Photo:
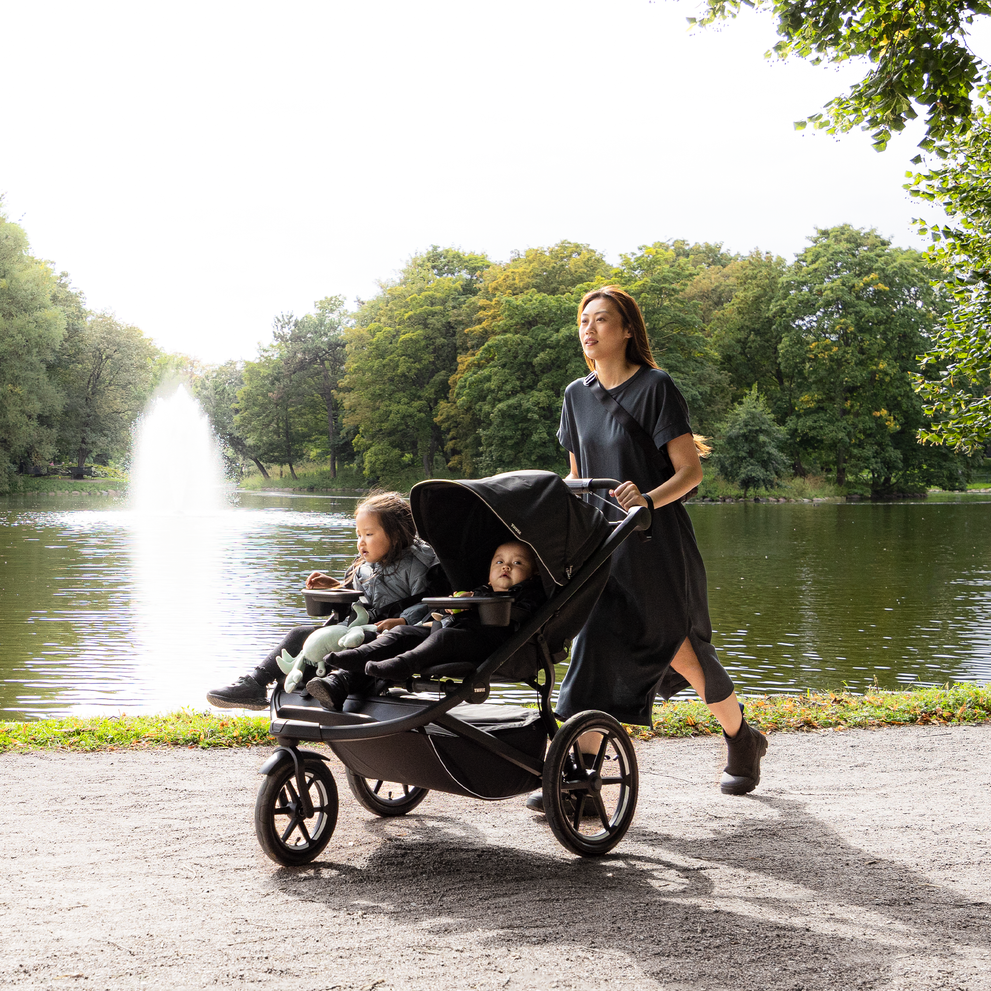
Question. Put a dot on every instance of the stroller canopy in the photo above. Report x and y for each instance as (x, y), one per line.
(466, 520)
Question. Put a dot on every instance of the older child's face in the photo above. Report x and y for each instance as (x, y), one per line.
(373, 544)
(512, 563)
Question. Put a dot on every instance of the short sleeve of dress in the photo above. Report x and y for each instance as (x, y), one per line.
(567, 432)
(672, 418)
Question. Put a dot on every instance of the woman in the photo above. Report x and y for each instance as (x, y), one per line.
(650, 631)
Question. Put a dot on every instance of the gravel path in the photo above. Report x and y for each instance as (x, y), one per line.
(861, 862)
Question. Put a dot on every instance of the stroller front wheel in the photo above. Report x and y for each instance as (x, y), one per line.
(285, 834)
(590, 795)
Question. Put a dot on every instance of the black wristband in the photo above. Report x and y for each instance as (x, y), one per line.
(650, 502)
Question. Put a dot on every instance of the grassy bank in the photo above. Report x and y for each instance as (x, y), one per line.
(60, 485)
(313, 478)
(962, 703)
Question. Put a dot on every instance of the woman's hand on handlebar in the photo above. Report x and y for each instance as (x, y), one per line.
(628, 496)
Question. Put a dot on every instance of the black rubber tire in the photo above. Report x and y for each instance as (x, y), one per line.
(385, 798)
(283, 833)
(590, 799)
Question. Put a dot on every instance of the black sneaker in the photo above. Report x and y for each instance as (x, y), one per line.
(331, 692)
(245, 693)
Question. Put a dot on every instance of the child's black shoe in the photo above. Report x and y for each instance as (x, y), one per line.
(332, 691)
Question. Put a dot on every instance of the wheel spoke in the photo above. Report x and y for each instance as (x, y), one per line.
(600, 809)
(623, 779)
(606, 740)
(293, 823)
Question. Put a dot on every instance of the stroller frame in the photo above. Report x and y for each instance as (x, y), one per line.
(399, 745)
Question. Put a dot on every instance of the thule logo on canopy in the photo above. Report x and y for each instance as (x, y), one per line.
(515, 529)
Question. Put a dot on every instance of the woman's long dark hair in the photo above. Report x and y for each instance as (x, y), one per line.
(637, 346)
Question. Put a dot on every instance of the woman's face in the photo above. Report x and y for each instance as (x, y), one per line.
(602, 331)
(373, 544)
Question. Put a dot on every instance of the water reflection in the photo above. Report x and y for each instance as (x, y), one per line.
(817, 596)
(103, 609)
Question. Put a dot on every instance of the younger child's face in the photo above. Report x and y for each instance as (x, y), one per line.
(373, 544)
(512, 563)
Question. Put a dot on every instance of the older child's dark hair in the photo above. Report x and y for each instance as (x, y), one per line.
(396, 519)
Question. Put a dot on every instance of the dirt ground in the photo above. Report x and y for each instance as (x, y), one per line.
(861, 862)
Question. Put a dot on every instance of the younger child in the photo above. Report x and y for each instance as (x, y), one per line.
(394, 568)
(405, 650)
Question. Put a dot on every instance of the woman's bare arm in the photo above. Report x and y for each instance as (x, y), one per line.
(687, 474)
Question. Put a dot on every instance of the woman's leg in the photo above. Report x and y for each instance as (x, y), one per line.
(745, 745)
(728, 710)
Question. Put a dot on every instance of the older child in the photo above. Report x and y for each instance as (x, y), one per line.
(394, 568)
(403, 651)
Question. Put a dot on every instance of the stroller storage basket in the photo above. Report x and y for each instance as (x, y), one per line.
(442, 760)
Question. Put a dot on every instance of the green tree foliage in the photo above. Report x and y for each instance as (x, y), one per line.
(955, 383)
(278, 410)
(662, 278)
(216, 391)
(32, 327)
(491, 396)
(915, 50)
(744, 334)
(402, 352)
(105, 370)
(750, 449)
(313, 350)
(918, 56)
(856, 314)
(514, 384)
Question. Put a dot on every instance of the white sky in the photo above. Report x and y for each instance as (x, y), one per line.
(200, 167)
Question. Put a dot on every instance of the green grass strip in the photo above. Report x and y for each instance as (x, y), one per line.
(177, 729)
(962, 703)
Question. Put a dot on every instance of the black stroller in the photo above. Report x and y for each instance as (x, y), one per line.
(436, 732)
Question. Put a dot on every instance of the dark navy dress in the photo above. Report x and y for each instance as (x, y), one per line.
(656, 593)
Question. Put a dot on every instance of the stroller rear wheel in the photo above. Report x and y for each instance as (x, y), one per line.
(283, 832)
(590, 790)
(385, 798)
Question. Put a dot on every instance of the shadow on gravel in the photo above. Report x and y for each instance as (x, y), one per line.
(783, 903)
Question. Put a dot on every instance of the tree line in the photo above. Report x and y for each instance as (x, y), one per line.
(459, 364)
(917, 61)
(72, 381)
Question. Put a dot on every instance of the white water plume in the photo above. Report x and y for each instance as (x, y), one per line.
(176, 464)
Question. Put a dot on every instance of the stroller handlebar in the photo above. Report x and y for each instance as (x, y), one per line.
(590, 484)
(643, 516)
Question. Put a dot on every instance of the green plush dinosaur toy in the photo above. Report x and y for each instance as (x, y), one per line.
(322, 642)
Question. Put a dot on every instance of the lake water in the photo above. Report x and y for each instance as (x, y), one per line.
(106, 610)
